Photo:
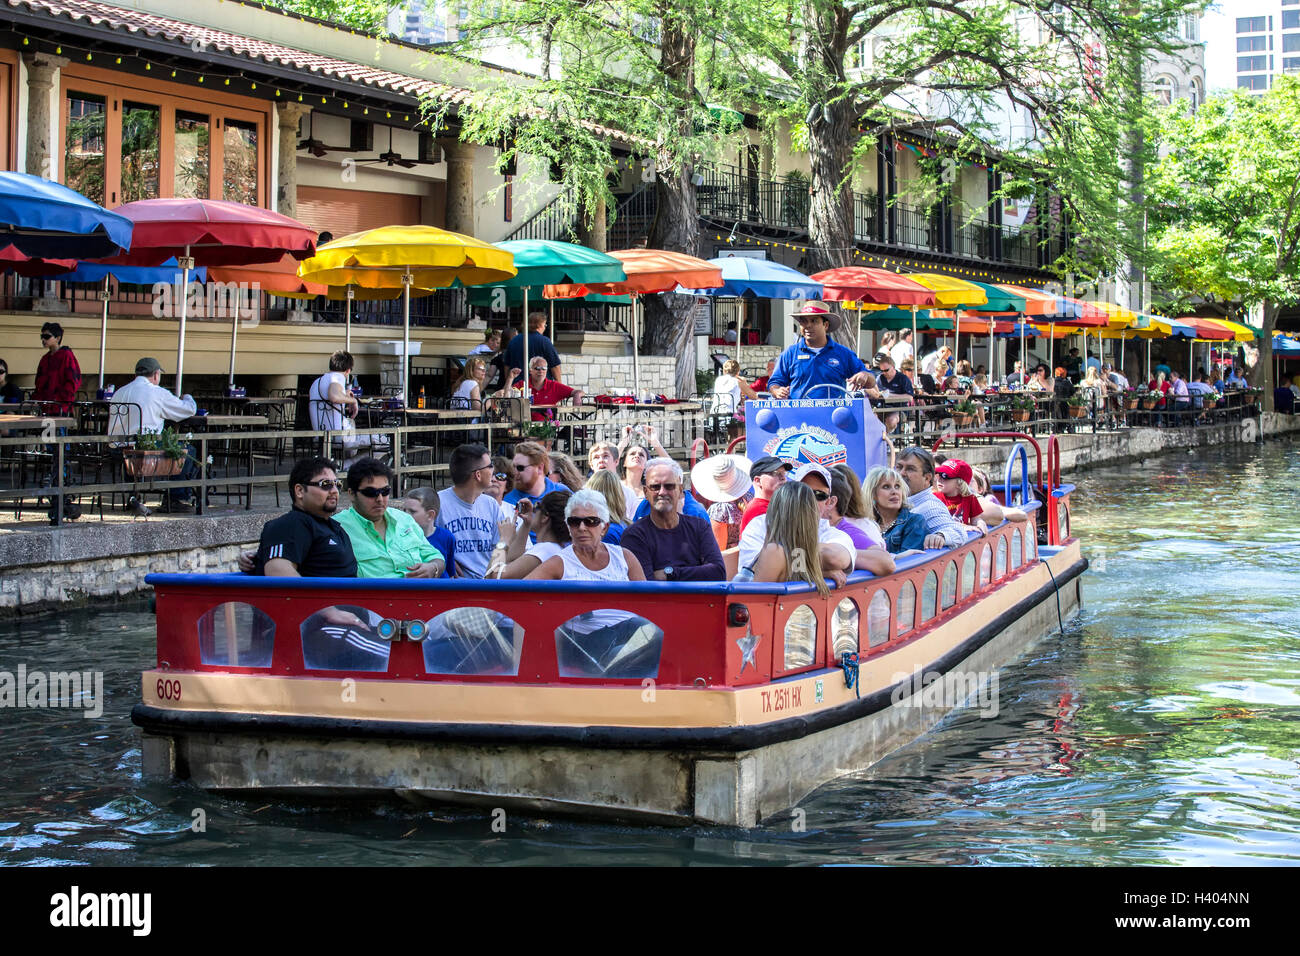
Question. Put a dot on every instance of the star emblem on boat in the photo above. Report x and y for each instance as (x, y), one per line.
(748, 644)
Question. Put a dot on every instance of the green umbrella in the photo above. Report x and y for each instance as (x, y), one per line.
(485, 296)
(543, 262)
(1000, 300)
(896, 319)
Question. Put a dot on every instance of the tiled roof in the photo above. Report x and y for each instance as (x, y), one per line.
(189, 34)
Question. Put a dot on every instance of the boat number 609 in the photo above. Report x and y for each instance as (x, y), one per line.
(169, 689)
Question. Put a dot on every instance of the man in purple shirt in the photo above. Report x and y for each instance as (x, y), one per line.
(672, 546)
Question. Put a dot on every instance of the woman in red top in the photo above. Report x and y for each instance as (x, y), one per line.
(1160, 385)
(58, 376)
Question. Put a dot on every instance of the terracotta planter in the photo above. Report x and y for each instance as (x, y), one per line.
(1130, 404)
(1076, 411)
(1150, 403)
(962, 421)
(150, 464)
(1020, 414)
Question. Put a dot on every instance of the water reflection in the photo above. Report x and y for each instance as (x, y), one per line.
(1159, 729)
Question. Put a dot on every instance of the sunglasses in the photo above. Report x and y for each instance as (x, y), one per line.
(666, 486)
(575, 521)
(327, 484)
(46, 335)
(820, 495)
(524, 467)
(383, 492)
(499, 476)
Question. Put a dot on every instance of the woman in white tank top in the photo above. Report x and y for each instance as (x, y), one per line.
(588, 558)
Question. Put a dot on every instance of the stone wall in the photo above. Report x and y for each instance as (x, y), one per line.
(612, 374)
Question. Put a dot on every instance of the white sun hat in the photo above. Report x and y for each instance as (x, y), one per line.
(722, 477)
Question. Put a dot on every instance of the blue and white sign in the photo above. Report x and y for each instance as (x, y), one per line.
(826, 431)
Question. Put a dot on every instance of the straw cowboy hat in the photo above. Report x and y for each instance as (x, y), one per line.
(722, 477)
(833, 320)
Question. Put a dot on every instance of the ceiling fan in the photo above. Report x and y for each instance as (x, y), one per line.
(428, 156)
(312, 144)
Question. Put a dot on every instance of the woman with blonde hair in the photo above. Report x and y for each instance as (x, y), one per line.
(903, 528)
(468, 392)
(790, 548)
(564, 471)
(607, 484)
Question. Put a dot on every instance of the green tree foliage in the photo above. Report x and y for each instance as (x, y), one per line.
(1224, 206)
(367, 15)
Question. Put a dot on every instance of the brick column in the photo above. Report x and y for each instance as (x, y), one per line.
(286, 198)
(42, 77)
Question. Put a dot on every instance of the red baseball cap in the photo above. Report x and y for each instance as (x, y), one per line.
(955, 468)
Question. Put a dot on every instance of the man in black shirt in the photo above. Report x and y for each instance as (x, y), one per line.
(895, 382)
(307, 542)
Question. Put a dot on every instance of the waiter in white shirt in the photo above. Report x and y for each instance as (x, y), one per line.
(148, 407)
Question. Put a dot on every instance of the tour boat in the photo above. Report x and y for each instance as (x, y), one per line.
(722, 703)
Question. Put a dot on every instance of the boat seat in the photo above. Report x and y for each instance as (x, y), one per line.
(731, 558)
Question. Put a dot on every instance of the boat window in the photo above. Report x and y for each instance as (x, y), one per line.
(800, 638)
(906, 606)
(1017, 546)
(1031, 545)
(968, 575)
(844, 628)
(236, 635)
(986, 565)
(1001, 567)
(608, 643)
(472, 640)
(878, 619)
(949, 585)
(928, 591)
(1062, 520)
(345, 638)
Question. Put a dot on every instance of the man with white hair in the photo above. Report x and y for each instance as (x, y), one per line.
(669, 545)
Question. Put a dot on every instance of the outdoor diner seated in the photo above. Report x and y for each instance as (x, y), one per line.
(9, 392)
(331, 407)
(588, 558)
(145, 406)
(730, 390)
(670, 545)
(903, 529)
(836, 547)
(1235, 379)
(543, 390)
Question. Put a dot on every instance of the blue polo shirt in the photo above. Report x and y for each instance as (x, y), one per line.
(801, 369)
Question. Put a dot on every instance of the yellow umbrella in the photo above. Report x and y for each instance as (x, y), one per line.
(402, 257)
(949, 292)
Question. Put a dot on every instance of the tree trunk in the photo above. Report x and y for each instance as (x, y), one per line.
(832, 135)
(1262, 375)
(669, 327)
(669, 320)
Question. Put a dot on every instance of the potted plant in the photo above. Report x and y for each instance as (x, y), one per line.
(1022, 407)
(541, 432)
(155, 455)
(964, 412)
(1148, 398)
(1076, 406)
(1129, 396)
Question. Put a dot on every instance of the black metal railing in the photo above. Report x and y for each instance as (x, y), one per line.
(629, 225)
(557, 221)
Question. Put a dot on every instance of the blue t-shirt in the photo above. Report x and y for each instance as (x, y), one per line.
(446, 545)
(615, 533)
(538, 344)
(802, 369)
(515, 496)
(692, 507)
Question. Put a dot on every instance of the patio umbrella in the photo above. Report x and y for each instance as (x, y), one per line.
(954, 292)
(278, 277)
(655, 270)
(11, 260)
(94, 272)
(543, 262)
(402, 257)
(865, 284)
(758, 278)
(43, 220)
(208, 232)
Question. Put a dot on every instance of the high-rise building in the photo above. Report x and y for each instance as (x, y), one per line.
(1267, 35)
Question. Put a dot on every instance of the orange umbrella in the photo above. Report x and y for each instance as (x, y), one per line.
(649, 270)
(864, 284)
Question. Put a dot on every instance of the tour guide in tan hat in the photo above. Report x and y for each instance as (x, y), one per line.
(816, 361)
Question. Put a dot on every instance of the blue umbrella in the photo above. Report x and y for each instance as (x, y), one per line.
(1283, 345)
(47, 220)
(90, 272)
(760, 278)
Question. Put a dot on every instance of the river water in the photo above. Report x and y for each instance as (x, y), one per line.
(1162, 727)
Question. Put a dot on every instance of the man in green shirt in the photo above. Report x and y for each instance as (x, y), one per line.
(386, 541)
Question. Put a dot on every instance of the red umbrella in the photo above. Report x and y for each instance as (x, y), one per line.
(209, 232)
(864, 284)
(11, 260)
